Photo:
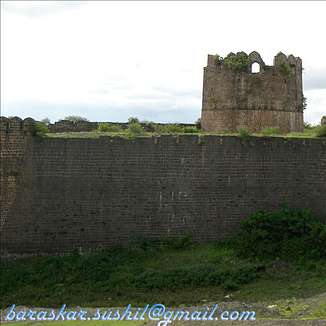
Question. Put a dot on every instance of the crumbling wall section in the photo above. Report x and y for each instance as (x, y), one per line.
(270, 97)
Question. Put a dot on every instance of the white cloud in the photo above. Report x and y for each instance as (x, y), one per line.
(314, 78)
(316, 105)
(145, 58)
(39, 9)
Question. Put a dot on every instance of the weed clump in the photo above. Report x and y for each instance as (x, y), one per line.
(171, 128)
(244, 132)
(190, 130)
(181, 277)
(170, 243)
(285, 69)
(269, 131)
(320, 131)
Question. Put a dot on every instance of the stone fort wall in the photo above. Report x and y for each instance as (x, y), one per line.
(260, 99)
(87, 126)
(58, 194)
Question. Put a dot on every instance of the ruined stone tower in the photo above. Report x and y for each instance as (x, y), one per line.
(234, 94)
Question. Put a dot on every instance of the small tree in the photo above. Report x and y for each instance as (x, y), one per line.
(38, 129)
(307, 125)
(198, 123)
(190, 130)
(217, 57)
(46, 121)
(74, 118)
(133, 120)
(105, 127)
(320, 131)
(135, 128)
(304, 103)
(149, 126)
(238, 63)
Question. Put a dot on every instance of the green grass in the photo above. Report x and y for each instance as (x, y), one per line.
(81, 323)
(176, 273)
(147, 274)
(175, 130)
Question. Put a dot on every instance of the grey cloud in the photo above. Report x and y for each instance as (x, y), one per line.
(314, 78)
(163, 113)
(113, 77)
(148, 96)
(40, 9)
(103, 111)
(185, 71)
(174, 92)
(138, 64)
(108, 88)
(100, 90)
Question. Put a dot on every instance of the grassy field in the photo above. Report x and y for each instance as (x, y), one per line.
(96, 134)
(287, 270)
(140, 276)
(143, 275)
(150, 129)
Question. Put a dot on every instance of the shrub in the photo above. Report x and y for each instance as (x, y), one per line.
(168, 128)
(190, 130)
(269, 131)
(181, 277)
(217, 57)
(142, 243)
(135, 128)
(244, 132)
(38, 129)
(285, 233)
(320, 131)
(105, 127)
(149, 126)
(307, 125)
(238, 63)
(46, 121)
(133, 120)
(74, 118)
(184, 242)
(198, 123)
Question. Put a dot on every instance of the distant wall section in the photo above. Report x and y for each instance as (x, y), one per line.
(87, 126)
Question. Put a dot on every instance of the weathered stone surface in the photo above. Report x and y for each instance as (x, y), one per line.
(63, 194)
(263, 99)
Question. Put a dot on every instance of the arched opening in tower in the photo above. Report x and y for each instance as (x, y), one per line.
(255, 67)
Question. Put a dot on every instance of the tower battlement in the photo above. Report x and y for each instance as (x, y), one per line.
(242, 90)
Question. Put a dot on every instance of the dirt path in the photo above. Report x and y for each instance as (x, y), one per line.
(300, 313)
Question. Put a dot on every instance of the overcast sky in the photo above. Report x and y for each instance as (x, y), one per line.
(107, 60)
